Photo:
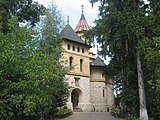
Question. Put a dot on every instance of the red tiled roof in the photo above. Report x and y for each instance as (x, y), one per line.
(82, 24)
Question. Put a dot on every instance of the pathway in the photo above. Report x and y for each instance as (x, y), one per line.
(91, 116)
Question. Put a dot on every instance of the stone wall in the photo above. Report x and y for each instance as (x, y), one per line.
(83, 85)
(98, 96)
(110, 94)
(95, 92)
(97, 74)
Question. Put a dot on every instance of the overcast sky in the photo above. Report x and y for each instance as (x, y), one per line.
(72, 8)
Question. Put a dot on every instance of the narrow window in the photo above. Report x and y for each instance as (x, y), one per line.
(73, 48)
(81, 65)
(82, 50)
(68, 47)
(103, 93)
(103, 75)
(71, 63)
(77, 49)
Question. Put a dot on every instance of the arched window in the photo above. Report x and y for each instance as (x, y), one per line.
(68, 47)
(70, 63)
(82, 50)
(81, 65)
(73, 48)
(77, 49)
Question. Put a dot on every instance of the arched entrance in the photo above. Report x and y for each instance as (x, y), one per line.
(75, 95)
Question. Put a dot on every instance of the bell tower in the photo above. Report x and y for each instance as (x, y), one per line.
(86, 76)
(80, 28)
(82, 25)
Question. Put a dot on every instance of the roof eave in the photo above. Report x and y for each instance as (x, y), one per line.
(89, 46)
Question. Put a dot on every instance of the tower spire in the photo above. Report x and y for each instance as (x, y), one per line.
(82, 24)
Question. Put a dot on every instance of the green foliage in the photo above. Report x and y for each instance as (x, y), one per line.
(64, 112)
(133, 118)
(50, 37)
(30, 80)
(24, 10)
(150, 47)
(115, 111)
(123, 28)
(51, 44)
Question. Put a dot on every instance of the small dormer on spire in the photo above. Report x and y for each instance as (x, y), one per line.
(82, 24)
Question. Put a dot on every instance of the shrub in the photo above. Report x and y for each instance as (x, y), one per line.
(64, 112)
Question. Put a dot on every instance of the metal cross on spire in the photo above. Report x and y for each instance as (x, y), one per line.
(82, 8)
(68, 19)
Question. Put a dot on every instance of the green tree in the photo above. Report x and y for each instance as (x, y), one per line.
(51, 42)
(30, 80)
(120, 29)
(50, 37)
(24, 10)
(150, 47)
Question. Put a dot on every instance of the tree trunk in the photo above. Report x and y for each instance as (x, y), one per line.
(42, 116)
(142, 99)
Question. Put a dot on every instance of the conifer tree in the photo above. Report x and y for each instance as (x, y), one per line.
(120, 29)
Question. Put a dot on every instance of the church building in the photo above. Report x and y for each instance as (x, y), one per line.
(91, 88)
